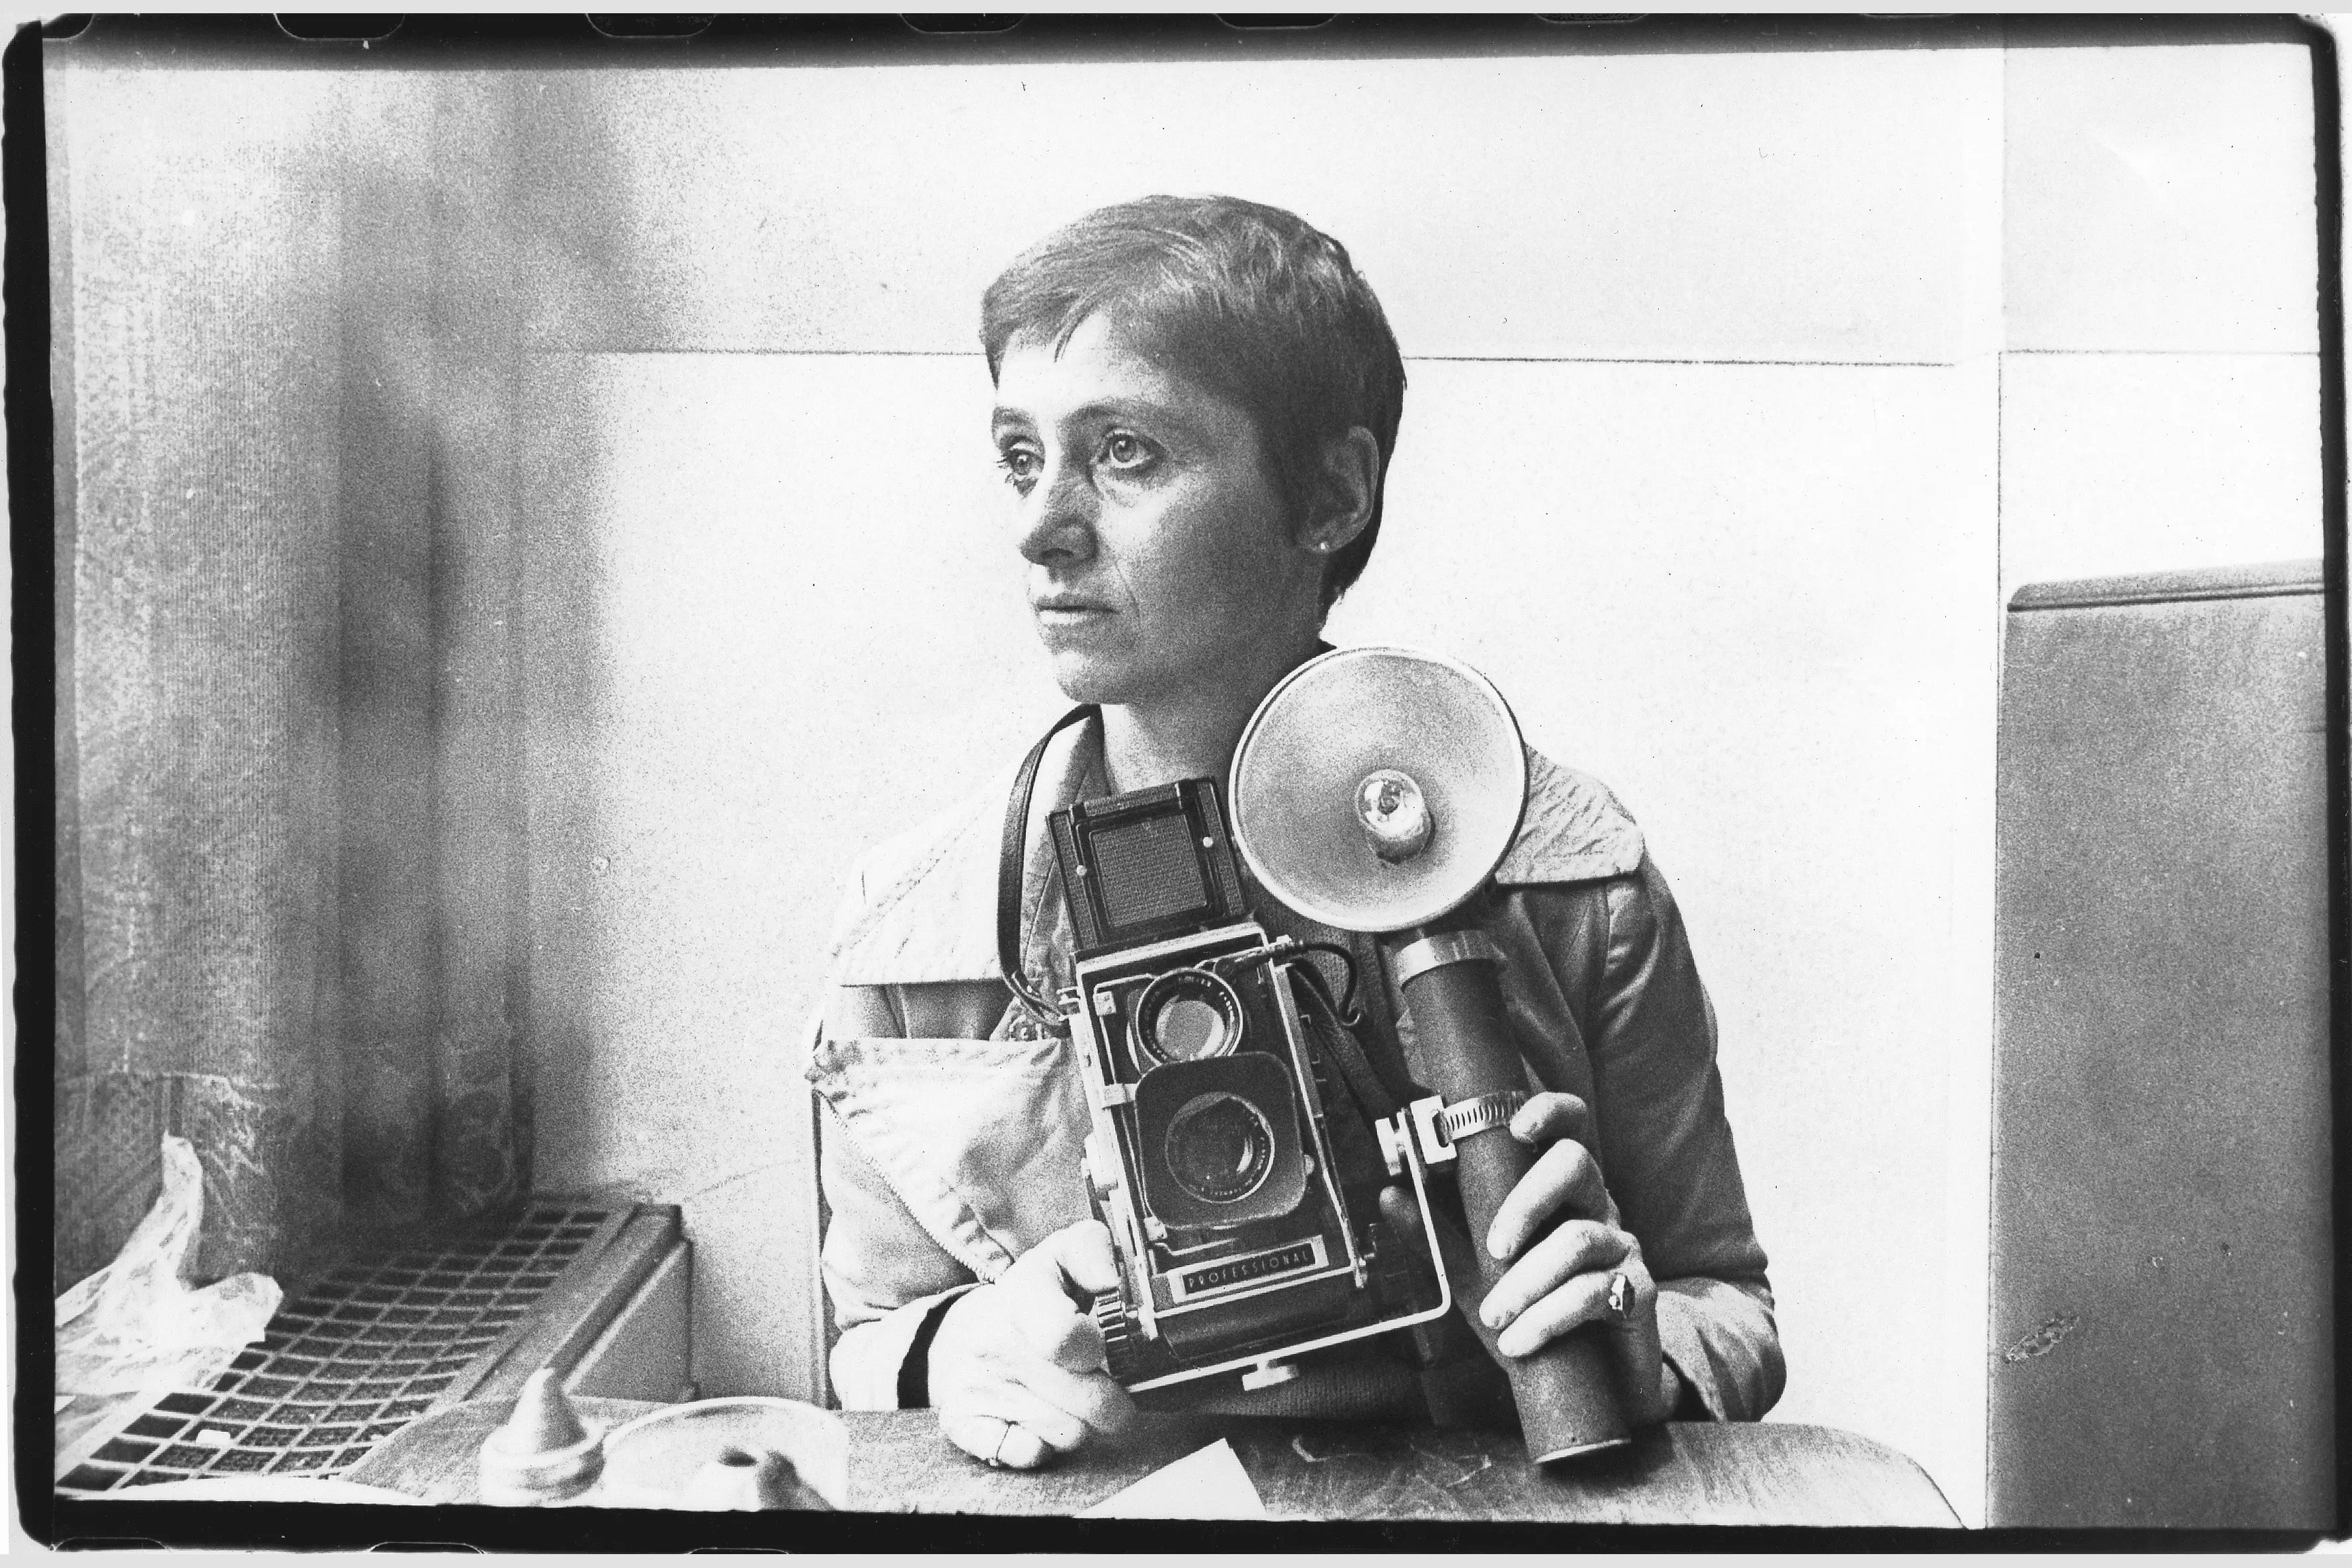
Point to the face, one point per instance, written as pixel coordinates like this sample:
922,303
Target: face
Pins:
1160,555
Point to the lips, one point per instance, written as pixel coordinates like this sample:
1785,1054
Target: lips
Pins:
1062,611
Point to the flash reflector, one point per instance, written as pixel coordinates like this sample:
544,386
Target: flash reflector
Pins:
1377,788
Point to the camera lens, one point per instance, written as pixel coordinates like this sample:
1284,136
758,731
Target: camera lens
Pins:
1189,1015
1219,1147
1186,1027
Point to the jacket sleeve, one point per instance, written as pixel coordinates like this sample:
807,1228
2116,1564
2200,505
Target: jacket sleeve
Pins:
1665,1151
882,1270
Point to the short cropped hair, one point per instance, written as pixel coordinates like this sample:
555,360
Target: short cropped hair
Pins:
1249,301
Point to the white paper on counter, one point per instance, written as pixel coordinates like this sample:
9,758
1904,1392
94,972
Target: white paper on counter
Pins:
1206,1484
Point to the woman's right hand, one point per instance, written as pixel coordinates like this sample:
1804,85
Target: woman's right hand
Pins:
1016,1368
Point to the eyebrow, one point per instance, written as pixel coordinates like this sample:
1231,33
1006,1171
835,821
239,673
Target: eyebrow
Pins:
1112,408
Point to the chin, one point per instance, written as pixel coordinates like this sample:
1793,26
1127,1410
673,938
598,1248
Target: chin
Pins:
1092,677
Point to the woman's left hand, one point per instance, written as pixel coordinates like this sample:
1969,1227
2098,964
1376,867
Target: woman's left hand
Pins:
1560,1225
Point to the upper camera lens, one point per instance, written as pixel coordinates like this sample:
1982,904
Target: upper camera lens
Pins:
1219,1147
1187,1015
1187,1027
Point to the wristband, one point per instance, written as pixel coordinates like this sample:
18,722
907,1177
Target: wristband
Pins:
915,1372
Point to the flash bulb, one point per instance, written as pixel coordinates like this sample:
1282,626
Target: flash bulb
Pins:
1395,815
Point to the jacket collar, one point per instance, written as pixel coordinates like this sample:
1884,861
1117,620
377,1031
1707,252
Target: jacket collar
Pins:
929,913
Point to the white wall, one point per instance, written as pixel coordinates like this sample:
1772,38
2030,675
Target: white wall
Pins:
756,645
2161,387
1731,526
1774,641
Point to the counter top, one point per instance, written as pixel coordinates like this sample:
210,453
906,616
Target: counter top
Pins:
1761,1474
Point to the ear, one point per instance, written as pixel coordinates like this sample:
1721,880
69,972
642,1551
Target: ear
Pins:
1349,483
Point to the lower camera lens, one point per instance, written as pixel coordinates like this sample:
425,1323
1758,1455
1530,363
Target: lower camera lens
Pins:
1219,1147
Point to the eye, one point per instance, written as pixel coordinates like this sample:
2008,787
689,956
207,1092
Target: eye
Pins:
1020,465
1125,450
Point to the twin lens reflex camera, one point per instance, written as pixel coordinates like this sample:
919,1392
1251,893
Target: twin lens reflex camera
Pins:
1238,1171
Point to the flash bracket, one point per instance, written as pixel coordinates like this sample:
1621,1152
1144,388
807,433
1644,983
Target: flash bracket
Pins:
1433,1127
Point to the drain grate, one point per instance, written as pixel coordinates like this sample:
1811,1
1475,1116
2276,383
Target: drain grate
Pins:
355,1358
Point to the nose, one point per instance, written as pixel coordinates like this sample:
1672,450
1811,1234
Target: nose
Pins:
1059,524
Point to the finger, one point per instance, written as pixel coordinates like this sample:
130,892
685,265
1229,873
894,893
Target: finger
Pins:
975,1432
985,1422
1067,1338
1024,1450
1583,1300
1090,1397
1077,1260
1013,1403
1550,1117
1565,1178
1578,1247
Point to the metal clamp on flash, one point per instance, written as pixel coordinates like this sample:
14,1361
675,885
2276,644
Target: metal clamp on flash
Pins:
1435,1127
1434,952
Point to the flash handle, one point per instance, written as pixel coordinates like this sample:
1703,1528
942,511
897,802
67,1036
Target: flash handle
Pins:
1566,1393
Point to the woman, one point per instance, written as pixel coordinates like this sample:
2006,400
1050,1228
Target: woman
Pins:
1196,404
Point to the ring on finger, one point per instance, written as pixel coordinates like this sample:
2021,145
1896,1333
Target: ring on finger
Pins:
1621,1295
996,1455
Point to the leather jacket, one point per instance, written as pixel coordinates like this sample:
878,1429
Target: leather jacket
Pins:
952,1126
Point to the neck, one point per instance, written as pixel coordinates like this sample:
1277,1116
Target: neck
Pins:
1192,735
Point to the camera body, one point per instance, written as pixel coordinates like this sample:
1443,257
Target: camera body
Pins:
1238,1176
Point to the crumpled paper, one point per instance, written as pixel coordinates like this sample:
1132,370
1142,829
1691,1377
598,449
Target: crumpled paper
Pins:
137,1323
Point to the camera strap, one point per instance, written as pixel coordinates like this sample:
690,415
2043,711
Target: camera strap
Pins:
1373,1006
1374,1091
1012,864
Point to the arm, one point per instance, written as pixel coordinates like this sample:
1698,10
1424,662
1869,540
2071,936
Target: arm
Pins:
1667,1156
1013,1366
887,1279
1642,1182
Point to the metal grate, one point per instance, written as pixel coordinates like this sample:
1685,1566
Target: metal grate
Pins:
354,1359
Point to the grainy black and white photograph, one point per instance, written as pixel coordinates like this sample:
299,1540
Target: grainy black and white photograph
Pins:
1513,776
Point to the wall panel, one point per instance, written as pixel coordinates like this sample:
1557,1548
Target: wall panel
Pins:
2160,198
1764,205
1758,602
2127,463
2162,1330
765,626
203,463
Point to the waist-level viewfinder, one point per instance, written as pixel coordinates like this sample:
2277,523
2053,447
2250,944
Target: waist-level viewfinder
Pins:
1148,865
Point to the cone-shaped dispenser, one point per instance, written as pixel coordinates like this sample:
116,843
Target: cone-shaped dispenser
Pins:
544,1453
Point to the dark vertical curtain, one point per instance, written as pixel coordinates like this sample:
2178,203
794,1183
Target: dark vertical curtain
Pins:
290,835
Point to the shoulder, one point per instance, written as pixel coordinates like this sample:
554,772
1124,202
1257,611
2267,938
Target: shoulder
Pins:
1573,830
921,906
